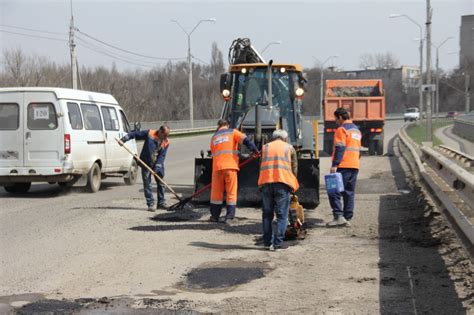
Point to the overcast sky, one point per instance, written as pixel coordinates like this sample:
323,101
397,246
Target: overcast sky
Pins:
306,28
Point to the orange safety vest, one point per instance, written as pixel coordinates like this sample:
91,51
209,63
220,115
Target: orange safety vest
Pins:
276,165
224,149
154,135
349,137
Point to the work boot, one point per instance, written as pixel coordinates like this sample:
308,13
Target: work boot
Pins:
274,248
213,220
151,208
338,221
162,206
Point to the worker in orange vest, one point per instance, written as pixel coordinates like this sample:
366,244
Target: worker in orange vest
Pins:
345,160
277,180
225,164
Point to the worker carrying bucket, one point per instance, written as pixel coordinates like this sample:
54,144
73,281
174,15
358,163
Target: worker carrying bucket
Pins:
225,164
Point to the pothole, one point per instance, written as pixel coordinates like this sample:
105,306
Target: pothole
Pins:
50,307
223,276
179,216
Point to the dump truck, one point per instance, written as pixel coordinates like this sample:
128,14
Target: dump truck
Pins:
260,97
365,101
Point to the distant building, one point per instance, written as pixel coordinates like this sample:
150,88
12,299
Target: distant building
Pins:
466,40
400,84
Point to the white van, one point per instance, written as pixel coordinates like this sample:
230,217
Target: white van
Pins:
62,136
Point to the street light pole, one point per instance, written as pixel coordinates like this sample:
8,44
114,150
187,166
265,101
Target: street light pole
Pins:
420,93
190,65
437,77
321,84
278,42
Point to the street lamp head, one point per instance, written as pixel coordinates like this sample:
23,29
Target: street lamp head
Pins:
278,42
391,16
213,20
335,56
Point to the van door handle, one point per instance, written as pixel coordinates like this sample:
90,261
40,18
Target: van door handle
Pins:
28,135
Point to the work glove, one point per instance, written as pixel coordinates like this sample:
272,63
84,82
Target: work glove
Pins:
122,141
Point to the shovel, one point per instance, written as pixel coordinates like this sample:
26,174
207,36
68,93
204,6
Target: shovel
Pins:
182,203
120,142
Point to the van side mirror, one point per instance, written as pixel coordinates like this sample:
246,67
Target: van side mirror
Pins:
226,81
137,126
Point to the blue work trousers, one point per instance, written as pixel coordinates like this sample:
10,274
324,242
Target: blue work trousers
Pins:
349,178
275,202
148,189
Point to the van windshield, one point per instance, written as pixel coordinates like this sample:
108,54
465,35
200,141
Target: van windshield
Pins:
412,110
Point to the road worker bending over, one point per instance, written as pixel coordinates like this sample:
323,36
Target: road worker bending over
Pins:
345,160
225,164
153,154
277,180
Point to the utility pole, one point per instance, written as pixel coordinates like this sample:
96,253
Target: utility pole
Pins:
468,93
72,47
429,126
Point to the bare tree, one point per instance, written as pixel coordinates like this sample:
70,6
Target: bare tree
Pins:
378,61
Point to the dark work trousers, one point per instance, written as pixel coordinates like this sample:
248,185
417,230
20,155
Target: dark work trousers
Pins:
349,178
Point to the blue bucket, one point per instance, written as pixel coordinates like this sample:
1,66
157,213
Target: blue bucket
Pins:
334,183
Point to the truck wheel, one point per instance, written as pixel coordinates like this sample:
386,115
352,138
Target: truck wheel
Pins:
371,147
131,178
94,178
379,147
18,188
328,144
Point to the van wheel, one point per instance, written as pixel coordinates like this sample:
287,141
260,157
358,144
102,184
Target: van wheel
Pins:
18,188
94,178
131,178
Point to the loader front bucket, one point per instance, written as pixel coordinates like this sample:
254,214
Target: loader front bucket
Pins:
249,193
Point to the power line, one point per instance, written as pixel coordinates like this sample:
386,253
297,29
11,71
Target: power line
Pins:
33,36
202,61
98,49
32,30
114,57
127,51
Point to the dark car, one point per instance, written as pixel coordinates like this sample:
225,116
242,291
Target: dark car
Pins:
452,114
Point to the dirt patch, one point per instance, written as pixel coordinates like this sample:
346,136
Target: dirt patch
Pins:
223,276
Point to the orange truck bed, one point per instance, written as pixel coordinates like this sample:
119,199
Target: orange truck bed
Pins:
364,99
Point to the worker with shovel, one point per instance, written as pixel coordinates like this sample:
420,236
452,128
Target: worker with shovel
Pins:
225,164
153,155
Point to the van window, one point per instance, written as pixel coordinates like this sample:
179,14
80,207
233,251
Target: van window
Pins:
91,117
126,126
110,118
75,117
42,116
9,116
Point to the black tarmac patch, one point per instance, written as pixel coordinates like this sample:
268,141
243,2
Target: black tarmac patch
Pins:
223,276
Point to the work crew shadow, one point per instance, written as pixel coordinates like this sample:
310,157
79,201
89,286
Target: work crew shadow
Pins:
413,275
119,208
224,247
183,190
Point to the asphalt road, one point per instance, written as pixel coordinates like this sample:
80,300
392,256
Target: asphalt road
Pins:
69,250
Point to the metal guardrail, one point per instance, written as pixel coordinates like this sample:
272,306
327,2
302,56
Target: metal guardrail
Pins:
462,158
181,127
459,181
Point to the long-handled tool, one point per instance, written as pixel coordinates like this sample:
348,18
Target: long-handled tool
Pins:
120,142
184,201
